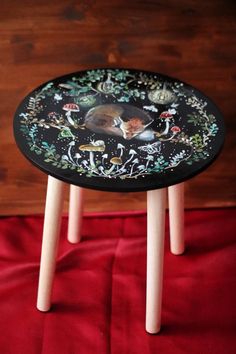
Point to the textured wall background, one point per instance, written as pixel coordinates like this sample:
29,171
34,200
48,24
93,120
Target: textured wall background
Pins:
192,40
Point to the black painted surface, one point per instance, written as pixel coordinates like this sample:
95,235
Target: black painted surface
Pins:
119,129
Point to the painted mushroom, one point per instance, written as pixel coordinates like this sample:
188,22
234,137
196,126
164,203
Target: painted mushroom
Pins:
149,158
175,129
104,157
97,146
166,116
132,152
121,148
115,161
77,157
70,107
135,161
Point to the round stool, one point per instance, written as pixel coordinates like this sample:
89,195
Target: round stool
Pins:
118,130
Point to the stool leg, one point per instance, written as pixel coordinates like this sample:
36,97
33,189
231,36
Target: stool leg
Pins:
155,253
75,214
51,231
176,218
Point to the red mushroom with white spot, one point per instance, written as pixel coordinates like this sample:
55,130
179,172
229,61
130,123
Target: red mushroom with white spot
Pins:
70,107
166,116
175,129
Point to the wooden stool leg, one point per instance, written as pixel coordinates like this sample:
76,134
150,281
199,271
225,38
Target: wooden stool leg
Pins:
176,218
75,214
51,231
155,254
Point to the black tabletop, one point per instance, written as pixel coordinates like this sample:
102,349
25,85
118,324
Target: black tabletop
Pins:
119,129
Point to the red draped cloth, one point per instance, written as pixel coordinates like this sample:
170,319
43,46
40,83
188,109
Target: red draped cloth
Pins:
99,289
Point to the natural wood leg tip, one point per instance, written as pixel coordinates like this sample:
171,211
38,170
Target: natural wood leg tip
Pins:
153,330
178,252
43,309
74,242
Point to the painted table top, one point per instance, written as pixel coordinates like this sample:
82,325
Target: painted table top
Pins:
119,129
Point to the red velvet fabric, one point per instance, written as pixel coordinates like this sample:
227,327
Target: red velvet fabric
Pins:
99,290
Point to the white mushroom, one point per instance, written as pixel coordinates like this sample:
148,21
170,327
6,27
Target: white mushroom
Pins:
120,171
131,153
85,163
132,167
77,156
141,169
149,158
121,148
166,116
101,169
104,156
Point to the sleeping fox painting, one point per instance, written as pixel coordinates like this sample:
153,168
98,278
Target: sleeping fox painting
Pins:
114,119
